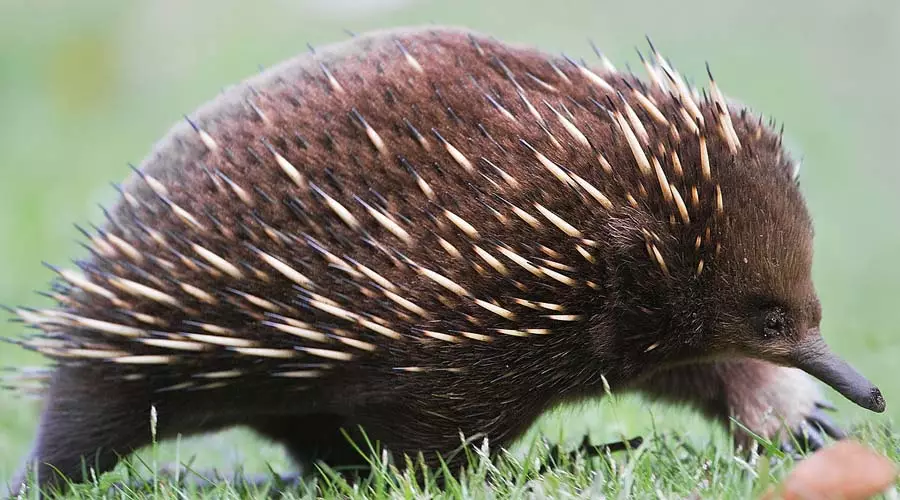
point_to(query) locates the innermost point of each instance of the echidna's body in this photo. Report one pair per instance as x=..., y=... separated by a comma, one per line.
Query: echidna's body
x=430, y=233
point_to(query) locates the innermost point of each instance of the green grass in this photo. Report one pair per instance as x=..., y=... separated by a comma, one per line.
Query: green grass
x=87, y=86
x=664, y=466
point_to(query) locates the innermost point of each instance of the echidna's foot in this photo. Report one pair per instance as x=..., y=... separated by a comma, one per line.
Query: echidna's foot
x=318, y=443
x=810, y=434
x=781, y=405
x=588, y=450
x=786, y=408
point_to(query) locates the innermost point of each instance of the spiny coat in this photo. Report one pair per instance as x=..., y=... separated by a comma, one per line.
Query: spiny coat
x=428, y=232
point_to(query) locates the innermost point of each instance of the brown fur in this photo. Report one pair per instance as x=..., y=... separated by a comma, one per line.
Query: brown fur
x=668, y=333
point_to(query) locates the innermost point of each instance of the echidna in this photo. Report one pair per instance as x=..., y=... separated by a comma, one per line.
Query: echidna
x=428, y=233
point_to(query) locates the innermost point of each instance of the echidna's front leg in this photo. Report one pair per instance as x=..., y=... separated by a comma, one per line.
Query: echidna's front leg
x=782, y=404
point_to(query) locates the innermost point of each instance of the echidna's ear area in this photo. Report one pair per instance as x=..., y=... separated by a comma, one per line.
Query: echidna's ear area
x=767, y=228
x=429, y=186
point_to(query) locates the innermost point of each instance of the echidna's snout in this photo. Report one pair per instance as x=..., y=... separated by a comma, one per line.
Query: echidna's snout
x=814, y=357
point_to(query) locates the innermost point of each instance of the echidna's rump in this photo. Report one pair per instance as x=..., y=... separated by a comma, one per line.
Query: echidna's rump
x=428, y=232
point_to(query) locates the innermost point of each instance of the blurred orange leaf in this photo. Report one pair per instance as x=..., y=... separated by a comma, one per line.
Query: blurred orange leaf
x=846, y=470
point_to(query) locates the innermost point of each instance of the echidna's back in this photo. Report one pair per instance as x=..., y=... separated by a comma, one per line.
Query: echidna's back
x=432, y=187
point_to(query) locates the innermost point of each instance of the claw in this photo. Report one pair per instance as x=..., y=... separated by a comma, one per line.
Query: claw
x=824, y=423
x=629, y=444
x=810, y=439
x=825, y=405
x=788, y=448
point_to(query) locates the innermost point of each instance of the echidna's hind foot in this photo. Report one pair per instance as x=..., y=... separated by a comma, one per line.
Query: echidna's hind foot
x=85, y=427
x=317, y=438
x=784, y=405
x=589, y=450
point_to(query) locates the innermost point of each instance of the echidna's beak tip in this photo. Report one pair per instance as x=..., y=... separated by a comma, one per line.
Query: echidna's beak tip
x=878, y=403
x=814, y=357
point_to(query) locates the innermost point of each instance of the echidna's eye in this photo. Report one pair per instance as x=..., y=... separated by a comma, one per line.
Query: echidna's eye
x=774, y=322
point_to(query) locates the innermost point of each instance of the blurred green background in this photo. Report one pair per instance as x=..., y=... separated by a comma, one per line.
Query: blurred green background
x=87, y=86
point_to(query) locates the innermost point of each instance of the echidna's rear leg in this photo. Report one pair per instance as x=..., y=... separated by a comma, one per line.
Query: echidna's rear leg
x=318, y=437
x=87, y=424
x=775, y=402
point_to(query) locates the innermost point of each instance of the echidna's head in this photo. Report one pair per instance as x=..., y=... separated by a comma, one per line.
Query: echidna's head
x=759, y=299
x=715, y=260
x=724, y=270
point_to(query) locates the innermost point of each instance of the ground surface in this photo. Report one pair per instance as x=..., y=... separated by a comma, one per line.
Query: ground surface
x=86, y=87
